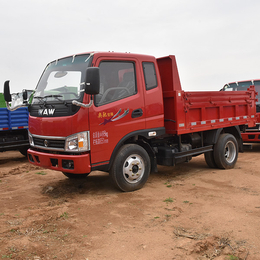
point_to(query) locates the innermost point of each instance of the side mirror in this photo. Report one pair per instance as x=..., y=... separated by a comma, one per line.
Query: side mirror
x=7, y=95
x=92, y=81
x=25, y=95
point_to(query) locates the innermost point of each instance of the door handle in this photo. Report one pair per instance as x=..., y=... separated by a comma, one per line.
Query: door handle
x=137, y=113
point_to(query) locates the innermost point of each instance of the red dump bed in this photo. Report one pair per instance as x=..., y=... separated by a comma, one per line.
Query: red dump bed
x=186, y=112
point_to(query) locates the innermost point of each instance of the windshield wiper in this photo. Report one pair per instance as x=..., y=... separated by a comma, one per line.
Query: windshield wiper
x=54, y=96
x=57, y=97
x=43, y=99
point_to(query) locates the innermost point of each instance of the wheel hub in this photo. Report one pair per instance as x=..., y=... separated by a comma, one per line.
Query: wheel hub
x=133, y=168
x=230, y=150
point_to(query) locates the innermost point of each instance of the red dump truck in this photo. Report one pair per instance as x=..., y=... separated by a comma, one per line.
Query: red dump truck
x=125, y=114
x=249, y=134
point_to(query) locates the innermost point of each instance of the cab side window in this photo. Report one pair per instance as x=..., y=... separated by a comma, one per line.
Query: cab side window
x=117, y=81
x=149, y=75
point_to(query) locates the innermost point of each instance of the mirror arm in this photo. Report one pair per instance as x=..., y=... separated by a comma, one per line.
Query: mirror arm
x=14, y=108
x=76, y=103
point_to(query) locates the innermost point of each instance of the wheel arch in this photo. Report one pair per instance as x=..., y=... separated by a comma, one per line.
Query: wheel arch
x=211, y=137
x=140, y=138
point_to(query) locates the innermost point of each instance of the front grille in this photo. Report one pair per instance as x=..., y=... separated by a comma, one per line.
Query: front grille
x=49, y=143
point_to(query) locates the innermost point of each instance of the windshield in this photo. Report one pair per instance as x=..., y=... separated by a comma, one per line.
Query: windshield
x=61, y=80
x=244, y=85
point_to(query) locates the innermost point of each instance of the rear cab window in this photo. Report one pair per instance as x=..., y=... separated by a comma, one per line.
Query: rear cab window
x=149, y=75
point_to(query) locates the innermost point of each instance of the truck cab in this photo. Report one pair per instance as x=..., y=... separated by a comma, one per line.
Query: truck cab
x=14, y=125
x=249, y=134
x=68, y=137
x=243, y=86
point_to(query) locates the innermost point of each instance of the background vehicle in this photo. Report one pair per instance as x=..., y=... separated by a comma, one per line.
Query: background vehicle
x=13, y=126
x=249, y=134
x=125, y=113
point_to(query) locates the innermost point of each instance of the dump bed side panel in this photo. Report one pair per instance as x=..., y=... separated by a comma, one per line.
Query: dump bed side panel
x=201, y=111
x=187, y=112
x=13, y=120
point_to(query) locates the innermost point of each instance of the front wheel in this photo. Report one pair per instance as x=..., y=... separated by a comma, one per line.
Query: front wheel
x=23, y=151
x=131, y=168
x=226, y=151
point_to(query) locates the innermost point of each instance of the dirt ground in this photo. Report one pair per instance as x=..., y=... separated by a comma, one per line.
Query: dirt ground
x=185, y=212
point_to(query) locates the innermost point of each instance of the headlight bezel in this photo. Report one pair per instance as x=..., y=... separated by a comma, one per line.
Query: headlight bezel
x=30, y=138
x=79, y=142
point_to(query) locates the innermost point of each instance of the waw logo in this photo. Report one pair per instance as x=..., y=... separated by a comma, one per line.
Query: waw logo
x=46, y=112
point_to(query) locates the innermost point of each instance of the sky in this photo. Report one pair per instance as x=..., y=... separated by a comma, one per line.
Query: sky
x=214, y=41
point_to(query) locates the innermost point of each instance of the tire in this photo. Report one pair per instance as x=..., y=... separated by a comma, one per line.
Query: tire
x=23, y=151
x=75, y=176
x=131, y=168
x=209, y=158
x=226, y=151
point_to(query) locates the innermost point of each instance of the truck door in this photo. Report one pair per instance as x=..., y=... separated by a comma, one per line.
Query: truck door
x=118, y=109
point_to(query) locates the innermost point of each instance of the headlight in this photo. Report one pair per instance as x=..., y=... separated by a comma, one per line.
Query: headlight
x=31, y=142
x=78, y=142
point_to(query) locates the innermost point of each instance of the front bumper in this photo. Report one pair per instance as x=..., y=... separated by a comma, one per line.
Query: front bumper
x=251, y=137
x=77, y=164
x=15, y=145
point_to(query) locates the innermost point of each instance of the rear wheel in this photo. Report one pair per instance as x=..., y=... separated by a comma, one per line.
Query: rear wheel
x=209, y=158
x=131, y=168
x=226, y=151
